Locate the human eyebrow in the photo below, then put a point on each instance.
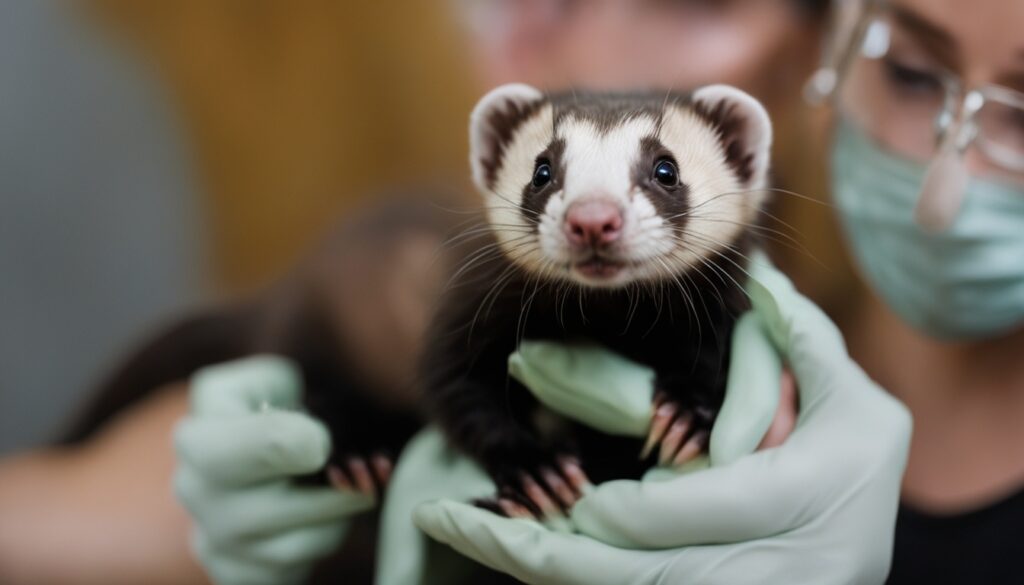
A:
(935, 39)
(1013, 80)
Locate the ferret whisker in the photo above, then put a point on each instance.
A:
(477, 259)
(775, 236)
(774, 190)
(731, 261)
(500, 283)
(513, 204)
(476, 234)
(524, 313)
(633, 304)
(762, 211)
(674, 275)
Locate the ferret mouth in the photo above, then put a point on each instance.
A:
(598, 268)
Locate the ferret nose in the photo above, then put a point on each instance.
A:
(593, 223)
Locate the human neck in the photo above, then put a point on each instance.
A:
(967, 400)
(908, 363)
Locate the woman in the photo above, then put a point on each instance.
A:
(934, 105)
(928, 180)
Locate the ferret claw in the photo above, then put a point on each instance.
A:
(338, 479)
(674, 438)
(559, 487)
(540, 497)
(571, 469)
(664, 413)
(513, 509)
(548, 491)
(366, 475)
(360, 472)
(677, 431)
(691, 448)
(382, 467)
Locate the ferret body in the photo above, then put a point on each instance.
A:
(624, 220)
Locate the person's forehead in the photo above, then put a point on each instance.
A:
(979, 33)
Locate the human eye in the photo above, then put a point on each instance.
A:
(910, 80)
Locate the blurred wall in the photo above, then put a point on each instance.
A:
(158, 153)
(300, 109)
(100, 231)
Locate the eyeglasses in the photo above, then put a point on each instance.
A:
(880, 80)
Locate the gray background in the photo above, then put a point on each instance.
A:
(100, 235)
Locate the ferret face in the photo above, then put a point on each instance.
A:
(610, 189)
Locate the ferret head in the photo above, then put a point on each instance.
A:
(609, 189)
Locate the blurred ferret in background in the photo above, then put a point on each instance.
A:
(351, 316)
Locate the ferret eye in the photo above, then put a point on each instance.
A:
(541, 175)
(665, 173)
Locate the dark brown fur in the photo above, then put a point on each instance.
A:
(681, 329)
(729, 126)
(683, 336)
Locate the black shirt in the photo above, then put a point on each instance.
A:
(984, 546)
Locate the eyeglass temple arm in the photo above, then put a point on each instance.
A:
(842, 50)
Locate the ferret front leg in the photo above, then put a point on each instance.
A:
(686, 403)
(492, 424)
(680, 432)
(545, 485)
(365, 437)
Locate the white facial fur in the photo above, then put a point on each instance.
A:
(601, 164)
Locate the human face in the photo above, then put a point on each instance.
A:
(918, 86)
(620, 44)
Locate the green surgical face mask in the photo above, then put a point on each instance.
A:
(966, 282)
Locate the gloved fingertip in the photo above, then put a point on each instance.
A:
(186, 488)
(180, 436)
(541, 352)
(516, 365)
(246, 385)
(318, 444)
(325, 442)
(354, 502)
(433, 519)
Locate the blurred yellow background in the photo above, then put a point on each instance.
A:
(257, 126)
(298, 110)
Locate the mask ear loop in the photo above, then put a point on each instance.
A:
(945, 181)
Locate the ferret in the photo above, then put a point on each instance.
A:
(620, 219)
(350, 315)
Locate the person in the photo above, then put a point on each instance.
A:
(928, 181)
(555, 44)
(561, 52)
(933, 104)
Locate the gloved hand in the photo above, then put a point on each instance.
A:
(818, 509)
(428, 469)
(238, 453)
(615, 395)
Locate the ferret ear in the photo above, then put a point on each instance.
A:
(492, 126)
(744, 128)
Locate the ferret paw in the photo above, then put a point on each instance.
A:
(360, 474)
(681, 433)
(547, 491)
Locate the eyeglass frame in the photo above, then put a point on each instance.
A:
(954, 123)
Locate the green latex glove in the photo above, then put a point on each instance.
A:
(818, 509)
(238, 451)
(428, 469)
(613, 394)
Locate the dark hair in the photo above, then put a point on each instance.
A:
(814, 8)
